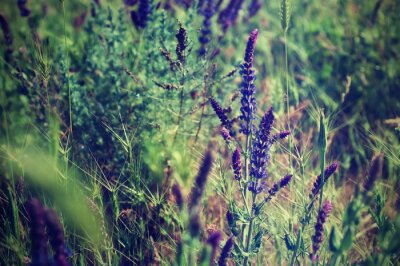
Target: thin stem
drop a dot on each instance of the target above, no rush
(246, 179)
(287, 98)
(250, 231)
(322, 165)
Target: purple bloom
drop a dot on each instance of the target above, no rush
(230, 218)
(254, 6)
(38, 232)
(221, 115)
(7, 37)
(205, 32)
(176, 191)
(277, 186)
(194, 225)
(130, 2)
(280, 135)
(182, 43)
(318, 237)
(318, 183)
(201, 180)
(226, 252)
(25, 12)
(225, 135)
(213, 240)
(237, 164)
(56, 233)
(228, 16)
(248, 102)
(374, 171)
(261, 146)
(141, 17)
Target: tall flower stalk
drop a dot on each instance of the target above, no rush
(252, 174)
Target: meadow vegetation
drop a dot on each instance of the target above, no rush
(200, 132)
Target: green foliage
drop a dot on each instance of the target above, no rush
(99, 118)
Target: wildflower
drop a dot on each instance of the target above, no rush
(254, 7)
(56, 233)
(201, 180)
(205, 32)
(221, 115)
(182, 43)
(176, 191)
(280, 135)
(7, 37)
(237, 164)
(226, 252)
(277, 186)
(194, 225)
(318, 183)
(130, 2)
(261, 146)
(318, 237)
(248, 102)
(213, 240)
(24, 11)
(225, 135)
(80, 20)
(374, 171)
(38, 232)
(141, 17)
(230, 218)
(228, 16)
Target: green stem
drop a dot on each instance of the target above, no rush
(287, 98)
(322, 165)
(246, 179)
(250, 231)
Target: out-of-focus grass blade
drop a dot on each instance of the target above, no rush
(60, 185)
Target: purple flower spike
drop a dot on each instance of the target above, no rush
(201, 180)
(226, 252)
(254, 7)
(176, 191)
(251, 43)
(248, 102)
(228, 16)
(237, 164)
(318, 183)
(38, 231)
(221, 115)
(205, 32)
(142, 16)
(213, 240)
(225, 135)
(280, 135)
(25, 12)
(261, 146)
(277, 186)
(318, 237)
(56, 233)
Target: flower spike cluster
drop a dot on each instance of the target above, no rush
(248, 102)
(205, 32)
(318, 237)
(261, 146)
